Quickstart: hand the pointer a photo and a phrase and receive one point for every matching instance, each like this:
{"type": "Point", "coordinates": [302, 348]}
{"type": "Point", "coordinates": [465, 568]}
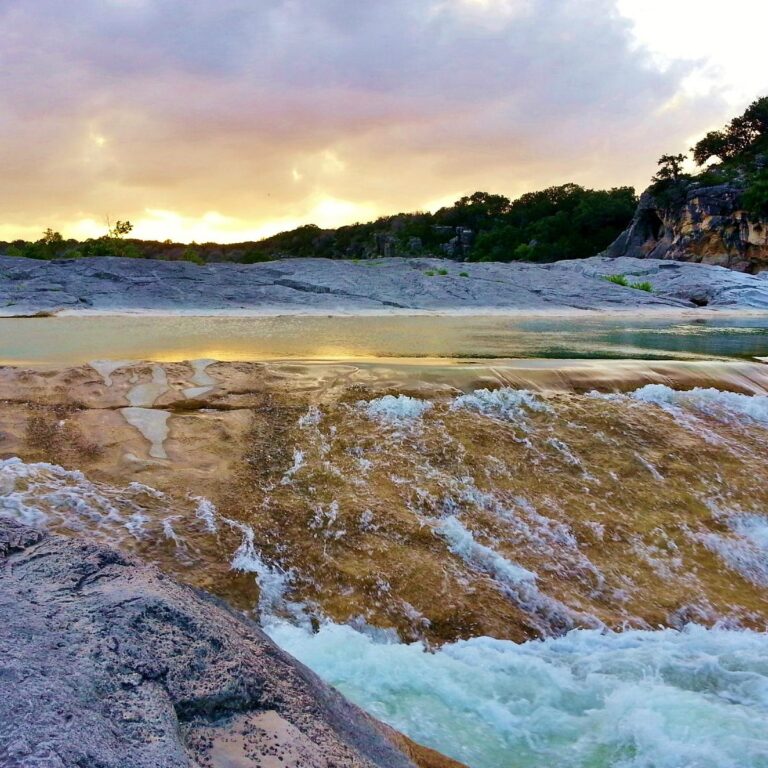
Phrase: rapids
{"type": "Point", "coordinates": [514, 576]}
{"type": "Point", "coordinates": [696, 698]}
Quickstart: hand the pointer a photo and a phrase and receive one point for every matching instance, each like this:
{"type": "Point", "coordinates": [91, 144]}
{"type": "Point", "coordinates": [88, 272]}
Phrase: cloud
{"type": "Point", "coordinates": [269, 111]}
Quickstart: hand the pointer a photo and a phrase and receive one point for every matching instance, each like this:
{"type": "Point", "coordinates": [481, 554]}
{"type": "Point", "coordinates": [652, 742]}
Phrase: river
{"type": "Point", "coordinates": [482, 530]}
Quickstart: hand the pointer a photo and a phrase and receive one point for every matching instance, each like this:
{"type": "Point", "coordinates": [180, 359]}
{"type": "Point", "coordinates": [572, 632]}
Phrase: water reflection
{"type": "Point", "coordinates": [71, 340]}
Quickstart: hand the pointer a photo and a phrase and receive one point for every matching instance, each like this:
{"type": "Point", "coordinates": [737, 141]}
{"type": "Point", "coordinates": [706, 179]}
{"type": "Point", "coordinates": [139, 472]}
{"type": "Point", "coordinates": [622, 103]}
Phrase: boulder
{"type": "Point", "coordinates": [106, 662]}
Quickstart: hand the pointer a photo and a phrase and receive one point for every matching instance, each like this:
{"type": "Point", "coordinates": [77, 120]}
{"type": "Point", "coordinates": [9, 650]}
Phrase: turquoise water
{"type": "Point", "coordinates": [638, 699]}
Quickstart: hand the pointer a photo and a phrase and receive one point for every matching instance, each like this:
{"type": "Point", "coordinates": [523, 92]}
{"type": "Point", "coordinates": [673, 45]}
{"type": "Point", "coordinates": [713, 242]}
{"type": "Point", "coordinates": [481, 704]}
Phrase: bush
{"type": "Point", "coordinates": [643, 286]}
{"type": "Point", "coordinates": [430, 273]}
{"type": "Point", "coordinates": [463, 274]}
{"type": "Point", "coordinates": [256, 257]}
{"type": "Point", "coordinates": [442, 272]}
{"type": "Point", "coordinates": [193, 255]}
{"type": "Point", "coordinates": [756, 195]}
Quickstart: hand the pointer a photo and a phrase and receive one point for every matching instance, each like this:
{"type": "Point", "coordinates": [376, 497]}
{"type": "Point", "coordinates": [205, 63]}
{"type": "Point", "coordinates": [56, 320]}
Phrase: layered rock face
{"type": "Point", "coordinates": [709, 225]}
{"type": "Point", "coordinates": [104, 661]}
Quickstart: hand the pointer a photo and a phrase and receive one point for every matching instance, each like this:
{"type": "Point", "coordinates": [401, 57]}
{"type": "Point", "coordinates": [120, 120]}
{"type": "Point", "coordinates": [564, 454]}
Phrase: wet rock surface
{"type": "Point", "coordinates": [29, 287]}
{"type": "Point", "coordinates": [416, 504]}
{"type": "Point", "coordinates": [105, 661]}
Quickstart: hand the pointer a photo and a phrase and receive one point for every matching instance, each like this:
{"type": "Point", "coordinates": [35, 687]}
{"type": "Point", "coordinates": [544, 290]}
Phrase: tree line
{"type": "Point", "coordinates": [736, 153]}
{"type": "Point", "coordinates": [566, 221]}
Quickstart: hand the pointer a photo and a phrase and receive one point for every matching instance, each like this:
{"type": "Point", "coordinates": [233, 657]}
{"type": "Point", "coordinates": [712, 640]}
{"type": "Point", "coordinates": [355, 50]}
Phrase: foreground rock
{"type": "Point", "coordinates": [29, 287]}
{"type": "Point", "coordinates": [699, 224]}
{"type": "Point", "coordinates": [107, 662]}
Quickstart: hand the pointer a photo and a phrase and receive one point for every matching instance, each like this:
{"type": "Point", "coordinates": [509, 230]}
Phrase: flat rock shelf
{"type": "Point", "coordinates": [312, 286]}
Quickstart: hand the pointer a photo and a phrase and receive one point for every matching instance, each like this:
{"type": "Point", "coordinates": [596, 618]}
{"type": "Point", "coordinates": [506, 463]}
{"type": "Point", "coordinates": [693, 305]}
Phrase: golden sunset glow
{"type": "Point", "coordinates": [252, 118]}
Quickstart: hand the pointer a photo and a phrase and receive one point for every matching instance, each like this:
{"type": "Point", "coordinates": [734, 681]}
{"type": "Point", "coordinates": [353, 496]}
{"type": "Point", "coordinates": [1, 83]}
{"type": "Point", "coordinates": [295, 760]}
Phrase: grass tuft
{"type": "Point", "coordinates": [622, 280]}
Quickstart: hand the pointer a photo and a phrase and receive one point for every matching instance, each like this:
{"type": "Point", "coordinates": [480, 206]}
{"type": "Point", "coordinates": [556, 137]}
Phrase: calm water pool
{"type": "Point", "coordinates": [72, 340]}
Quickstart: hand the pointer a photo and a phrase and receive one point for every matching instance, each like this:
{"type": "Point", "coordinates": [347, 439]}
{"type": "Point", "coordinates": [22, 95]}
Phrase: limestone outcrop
{"type": "Point", "coordinates": [105, 661]}
{"type": "Point", "coordinates": [319, 286]}
{"type": "Point", "coordinates": [700, 224]}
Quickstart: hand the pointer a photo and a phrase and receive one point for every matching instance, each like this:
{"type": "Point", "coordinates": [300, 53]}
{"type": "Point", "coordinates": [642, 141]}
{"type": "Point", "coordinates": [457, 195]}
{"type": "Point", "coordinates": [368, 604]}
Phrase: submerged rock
{"type": "Point", "coordinates": [105, 661]}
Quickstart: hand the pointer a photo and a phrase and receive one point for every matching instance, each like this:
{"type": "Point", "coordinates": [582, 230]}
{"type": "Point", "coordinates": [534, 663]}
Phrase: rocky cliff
{"type": "Point", "coordinates": [106, 662]}
{"type": "Point", "coordinates": [697, 223]}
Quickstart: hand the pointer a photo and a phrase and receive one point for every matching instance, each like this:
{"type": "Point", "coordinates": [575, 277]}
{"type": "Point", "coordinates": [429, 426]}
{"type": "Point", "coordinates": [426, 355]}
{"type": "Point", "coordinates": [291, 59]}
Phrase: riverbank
{"type": "Point", "coordinates": [318, 286]}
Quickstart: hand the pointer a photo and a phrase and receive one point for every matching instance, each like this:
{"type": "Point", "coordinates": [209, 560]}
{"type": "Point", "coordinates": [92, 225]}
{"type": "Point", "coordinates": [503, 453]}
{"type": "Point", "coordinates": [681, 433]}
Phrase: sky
{"type": "Point", "coordinates": [230, 120]}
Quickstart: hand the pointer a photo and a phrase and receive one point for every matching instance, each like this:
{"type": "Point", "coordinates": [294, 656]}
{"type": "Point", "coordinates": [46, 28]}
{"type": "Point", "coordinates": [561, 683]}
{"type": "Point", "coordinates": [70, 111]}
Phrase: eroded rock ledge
{"type": "Point", "coordinates": [106, 662]}
{"type": "Point", "coordinates": [698, 224]}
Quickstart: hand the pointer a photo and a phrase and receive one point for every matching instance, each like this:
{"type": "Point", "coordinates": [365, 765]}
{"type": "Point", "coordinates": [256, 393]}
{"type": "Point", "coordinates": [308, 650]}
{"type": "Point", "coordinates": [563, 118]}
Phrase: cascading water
{"type": "Point", "coordinates": [513, 578]}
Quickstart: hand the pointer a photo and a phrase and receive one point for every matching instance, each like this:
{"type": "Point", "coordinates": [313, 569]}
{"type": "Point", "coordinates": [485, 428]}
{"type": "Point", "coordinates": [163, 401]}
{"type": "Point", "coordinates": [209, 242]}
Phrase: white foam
{"type": "Point", "coordinates": [396, 411]}
{"type": "Point", "coordinates": [743, 550]}
{"type": "Point", "coordinates": [506, 404]}
{"type": "Point", "coordinates": [516, 582]}
{"type": "Point", "coordinates": [564, 449]}
{"type": "Point", "coordinates": [725, 406]}
{"type": "Point", "coordinates": [273, 582]}
{"type": "Point", "coordinates": [640, 699]}
{"type": "Point", "coordinates": [655, 474]}
{"type": "Point", "coordinates": [298, 463]}
{"type": "Point", "coordinates": [206, 512]}
{"type": "Point", "coordinates": [311, 418]}
{"type": "Point", "coordinates": [44, 495]}
{"type": "Point", "coordinates": [528, 530]}
{"type": "Point", "coordinates": [169, 531]}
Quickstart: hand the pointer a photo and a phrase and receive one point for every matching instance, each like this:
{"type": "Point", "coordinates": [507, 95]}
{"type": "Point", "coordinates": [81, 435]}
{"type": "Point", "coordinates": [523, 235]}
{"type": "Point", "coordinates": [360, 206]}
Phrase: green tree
{"type": "Point", "coordinates": [111, 244]}
{"type": "Point", "coordinates": [50, 246]}
{"type": "Point", "coordinates": [565, 222]}
{"type": "Point", "coordinates": [714, 144]}
{"type": "Point", "coordinates": [670, 168]}
{"type": "Point", "coordinates": [478, 211]}
{"type": "Point", "coordinates": [119, 230]}
{"type": "Point", "coordinates": [742, 135]}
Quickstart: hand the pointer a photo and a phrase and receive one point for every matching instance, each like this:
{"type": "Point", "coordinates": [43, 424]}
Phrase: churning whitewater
{"type": "Point", "coordinates": [696, 698]}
